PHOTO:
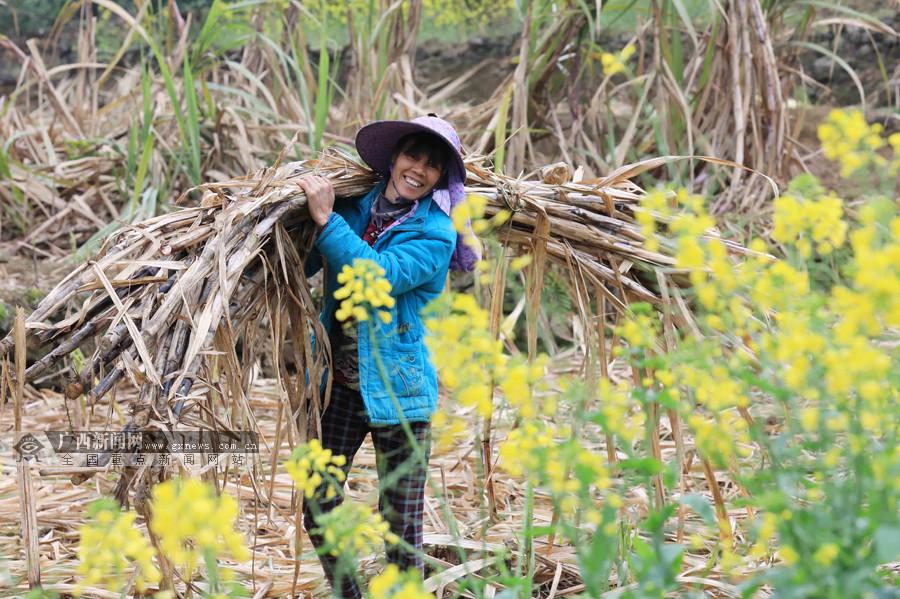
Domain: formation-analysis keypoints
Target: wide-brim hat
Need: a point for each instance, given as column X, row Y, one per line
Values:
column 376, row 142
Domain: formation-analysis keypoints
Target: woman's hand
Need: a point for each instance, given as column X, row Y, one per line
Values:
column 319, row 196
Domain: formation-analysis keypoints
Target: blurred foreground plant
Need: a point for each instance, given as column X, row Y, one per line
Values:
column 195, row 524
column 310, row 465
column 192, row 523
column 394, row 584
column 786, row 384
column 109, row 543
column 809, row 343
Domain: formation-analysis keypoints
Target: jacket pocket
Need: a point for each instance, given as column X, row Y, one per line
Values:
column 406, row 371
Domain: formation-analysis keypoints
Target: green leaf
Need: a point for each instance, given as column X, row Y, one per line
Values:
column 671, row 556
column 887, row 543
column 707, row 60
column 647, row 466
column 805, row 185
column 143, row 166
column 875, row 22
column 131, row 153
column 543, row 531
column 656, row 519
column 193, row 119
column 685, row 17
column 323, row 97
column 6, row 173
column 643, row 549
column 104, row 504
column 675, row 58
column 701, row 507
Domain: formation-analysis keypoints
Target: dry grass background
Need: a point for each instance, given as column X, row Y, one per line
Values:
column 102, row 141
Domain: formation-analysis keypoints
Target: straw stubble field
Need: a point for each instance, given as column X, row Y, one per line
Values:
column 269, row 518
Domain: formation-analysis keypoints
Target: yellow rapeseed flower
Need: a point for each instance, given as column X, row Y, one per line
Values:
column 615, row 63
column 640, row 331
column 456, row 13
column 109, row 544
column 847, row 138
column 310, row 466
column 364, row 291
column 712, row 443
column 826, row 554
column 470, row 360
column 809, row 418
column 801, row 222
column 354, row 530
column 447, row 430
column 190, row 520
column 788, row 555
column 393, row 584
column 618, row 414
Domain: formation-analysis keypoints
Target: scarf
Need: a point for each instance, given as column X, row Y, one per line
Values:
column 384, row 212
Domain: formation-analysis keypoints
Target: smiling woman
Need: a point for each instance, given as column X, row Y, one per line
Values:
column 398, row 237
column 417, row 165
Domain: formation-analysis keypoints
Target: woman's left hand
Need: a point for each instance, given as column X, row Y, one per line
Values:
column 319, row 197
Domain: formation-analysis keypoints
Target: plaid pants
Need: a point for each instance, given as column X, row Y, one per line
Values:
column 401, row 477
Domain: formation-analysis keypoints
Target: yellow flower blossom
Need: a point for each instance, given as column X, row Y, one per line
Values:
column 520, row 262
column 847, row 138
column 618, row 415
column 518, row 454
column 615, row 63
column 567, row 470
column 809, row 418
column 826, row 554
column 447, row 430
column 394, row 584
column 364, row 291
column 355, row 530
column 310, row 466
column 190, row 520
column 471, row 212
column 640, row 331
column 109, row 544
column 788, row 555
column 470, row 360
column 710, row 440
column 819, row 221
column 456, row 13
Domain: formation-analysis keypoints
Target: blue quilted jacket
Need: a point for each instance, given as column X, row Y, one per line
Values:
column 415, row 255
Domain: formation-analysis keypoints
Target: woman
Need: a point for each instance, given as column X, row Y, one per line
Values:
column 403, row 224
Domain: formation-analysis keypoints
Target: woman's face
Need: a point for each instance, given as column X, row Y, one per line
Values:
column 412, row 177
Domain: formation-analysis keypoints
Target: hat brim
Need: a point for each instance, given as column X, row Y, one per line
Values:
column 376, row 141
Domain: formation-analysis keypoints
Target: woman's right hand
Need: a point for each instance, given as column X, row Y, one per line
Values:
column 319, row 196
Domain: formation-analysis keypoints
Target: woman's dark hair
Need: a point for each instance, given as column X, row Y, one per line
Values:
column 425, row 144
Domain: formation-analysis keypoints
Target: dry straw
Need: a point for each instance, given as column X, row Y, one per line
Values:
column 165, row 294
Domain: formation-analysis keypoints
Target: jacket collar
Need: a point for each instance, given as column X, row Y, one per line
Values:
column 364, row 206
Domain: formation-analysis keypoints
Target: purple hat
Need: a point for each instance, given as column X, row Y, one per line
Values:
column 376, row 142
